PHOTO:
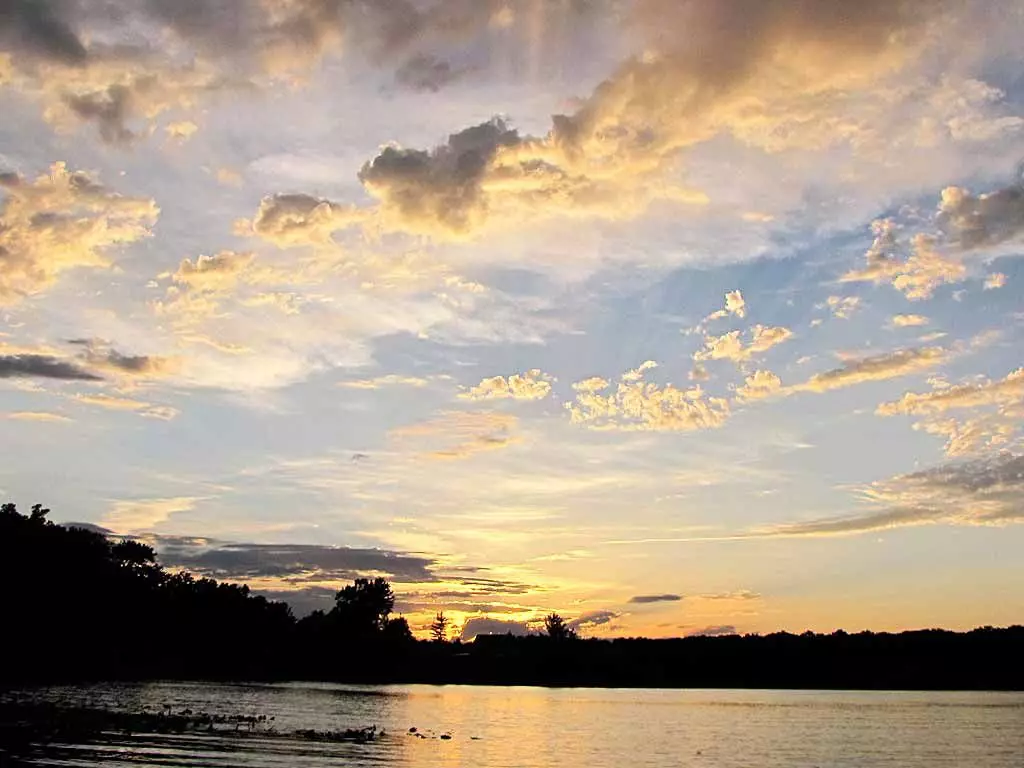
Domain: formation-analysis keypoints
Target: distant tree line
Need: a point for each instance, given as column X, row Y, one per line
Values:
column 79, row 606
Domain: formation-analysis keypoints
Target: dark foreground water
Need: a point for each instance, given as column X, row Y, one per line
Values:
column 527, row 727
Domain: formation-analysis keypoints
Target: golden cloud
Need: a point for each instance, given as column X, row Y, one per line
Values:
column 640, row 405
column 61, row 221
column 889, row 365
column 994, row 281
column 144, row 514
column 458, row 435
column 843, row 306
column 730, row 346
column 906, row 321
column 759, row 385
column 531, row 385
column 40, row 416
column 770, row 78
column 917, row 277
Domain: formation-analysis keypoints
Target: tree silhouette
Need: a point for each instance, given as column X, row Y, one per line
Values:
column 557, row 629
column 439, row 629
column 363, row 607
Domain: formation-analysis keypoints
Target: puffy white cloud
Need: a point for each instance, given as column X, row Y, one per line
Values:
column 734, row 305
column 908, row 321
column 531, row 385
column 994, row 412
column 759, row 385
column 994, row 281
column 842, row 306
column 917, row 276
column 636, row 404
column 730, row 346
column 61, row 221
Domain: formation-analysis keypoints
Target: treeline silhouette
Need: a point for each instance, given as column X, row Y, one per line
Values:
column 79, row 606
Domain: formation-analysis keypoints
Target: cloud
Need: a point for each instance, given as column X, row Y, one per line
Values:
column 983, row 221
column 426, row 72
column 843, row 306
column 740, row 594
column 483, row 625
column 458, row 435
column 907, row 321
column 889, row 365
column 917, row 276
column 300, row 563
column 639, row 405
column 994, row 281
column 730, row 346
column 181, row 130
column 101, row 356
column 996, row 411
column 734, row 305
column 593, row 384
column 389, row 380
column 758, row 385
column 301, row 220
column 983, row 492
column 113, row 403
column 135, row 516
column 1001, row 392
column 44, row 367
column 61, row 221
column 645, row 599
column 302, row 601
column 720, row 630
column 592, row 619
column 775, row 79
column 70, row 57
column 37, row 416
column 532, row 385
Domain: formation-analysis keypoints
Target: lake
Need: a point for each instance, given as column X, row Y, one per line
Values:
column 527, row 727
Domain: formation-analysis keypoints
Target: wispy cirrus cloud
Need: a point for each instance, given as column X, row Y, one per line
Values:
column 983, row 492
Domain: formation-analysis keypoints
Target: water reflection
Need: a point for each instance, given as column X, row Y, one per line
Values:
column 530, row 727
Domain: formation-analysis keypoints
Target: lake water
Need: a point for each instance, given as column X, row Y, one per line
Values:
column 527, row 727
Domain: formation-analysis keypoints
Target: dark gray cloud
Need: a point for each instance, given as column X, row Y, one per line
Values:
column 440, row 187
column 425, row 72
column 713, row 631
column 303, row 601
column 643, row 599
column 295, row 562
column 592, row 619
column 99, row 354
column 483, row 625
column 40, row 27
column 43, row 367
column 986, row 220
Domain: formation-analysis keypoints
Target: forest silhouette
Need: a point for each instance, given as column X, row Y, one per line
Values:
column 81, row 606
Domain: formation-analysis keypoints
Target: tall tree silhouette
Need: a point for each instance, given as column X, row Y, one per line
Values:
column 557, row 629
column 439, row 629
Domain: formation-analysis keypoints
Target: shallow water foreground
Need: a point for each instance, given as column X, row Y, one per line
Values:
column 527, row 727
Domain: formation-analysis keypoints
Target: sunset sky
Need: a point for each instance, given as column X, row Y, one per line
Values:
column 674, row 317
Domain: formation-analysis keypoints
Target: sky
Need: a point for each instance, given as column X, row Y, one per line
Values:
column 673, row 316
